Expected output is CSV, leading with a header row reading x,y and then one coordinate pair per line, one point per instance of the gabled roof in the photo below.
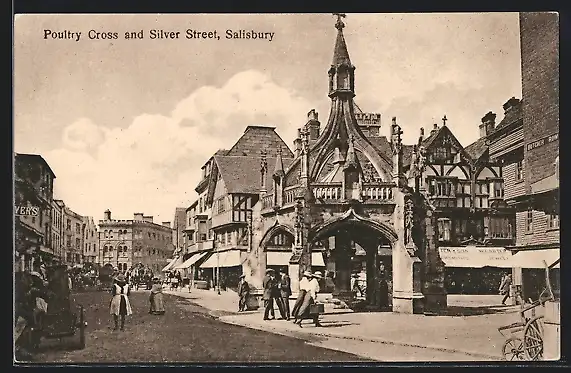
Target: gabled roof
x,y
383,146
241,174
477,149
256,138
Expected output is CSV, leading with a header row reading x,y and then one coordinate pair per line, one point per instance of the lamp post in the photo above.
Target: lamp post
x,y
218,270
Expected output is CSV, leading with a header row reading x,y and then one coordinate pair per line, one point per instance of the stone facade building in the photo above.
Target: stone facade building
x,y
124,243
72,233
90,240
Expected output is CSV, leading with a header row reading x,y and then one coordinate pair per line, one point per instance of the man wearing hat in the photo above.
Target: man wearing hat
x,y
303,287
243,293
285,292
309,299
269,284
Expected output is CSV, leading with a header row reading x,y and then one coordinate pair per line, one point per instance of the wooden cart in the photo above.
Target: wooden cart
x,y
524,339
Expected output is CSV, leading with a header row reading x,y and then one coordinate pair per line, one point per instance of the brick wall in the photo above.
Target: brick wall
x,y
540,88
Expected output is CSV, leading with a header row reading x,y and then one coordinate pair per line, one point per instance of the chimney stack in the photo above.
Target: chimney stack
x,y
512,102
148,219
138,216
313,125
421,137
488,124
167,224
107,215
434,129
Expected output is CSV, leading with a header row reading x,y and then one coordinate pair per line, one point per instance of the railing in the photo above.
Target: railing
x,y
378,192
327,191
289,194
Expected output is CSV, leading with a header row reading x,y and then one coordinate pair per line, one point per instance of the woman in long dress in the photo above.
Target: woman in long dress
x,y
157,305
120,305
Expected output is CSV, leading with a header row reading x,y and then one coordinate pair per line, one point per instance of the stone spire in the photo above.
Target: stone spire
x,y
342,72
279,168
340,53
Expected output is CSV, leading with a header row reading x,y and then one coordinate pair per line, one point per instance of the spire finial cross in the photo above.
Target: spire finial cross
x,y
444,119
339,24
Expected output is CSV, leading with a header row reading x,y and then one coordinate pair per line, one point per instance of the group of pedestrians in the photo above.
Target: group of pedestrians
x,y
278,290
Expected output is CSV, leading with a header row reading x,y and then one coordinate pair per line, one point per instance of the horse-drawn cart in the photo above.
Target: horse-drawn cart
x,y
524,339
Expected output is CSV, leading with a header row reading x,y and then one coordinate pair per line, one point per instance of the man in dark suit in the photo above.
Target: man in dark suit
x,y
285,292
243,293
269,284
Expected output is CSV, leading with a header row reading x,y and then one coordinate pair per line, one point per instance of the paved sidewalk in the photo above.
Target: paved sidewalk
x,y
476,336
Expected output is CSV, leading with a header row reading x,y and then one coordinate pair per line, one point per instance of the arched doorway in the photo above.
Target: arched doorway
x,y
359,258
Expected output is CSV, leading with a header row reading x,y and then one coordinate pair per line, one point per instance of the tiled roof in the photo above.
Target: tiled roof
x,y
256,138
241,174
383,146
476,149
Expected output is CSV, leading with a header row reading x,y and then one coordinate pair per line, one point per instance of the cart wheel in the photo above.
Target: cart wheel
x,y
533,339
82,325
513,349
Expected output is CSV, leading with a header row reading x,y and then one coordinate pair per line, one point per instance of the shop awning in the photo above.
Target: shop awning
x,y
190,261
171,264
223,259
281,258
475,257
535,258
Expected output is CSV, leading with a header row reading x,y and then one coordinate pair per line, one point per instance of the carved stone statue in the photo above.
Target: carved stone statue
x,y
408,221
396,139
418,161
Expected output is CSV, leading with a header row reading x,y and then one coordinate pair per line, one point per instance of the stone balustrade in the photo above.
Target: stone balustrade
x,y
327,191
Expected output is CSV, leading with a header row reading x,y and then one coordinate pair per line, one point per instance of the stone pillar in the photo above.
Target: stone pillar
x,y
293,272
552,331
342,255
407,269
436,299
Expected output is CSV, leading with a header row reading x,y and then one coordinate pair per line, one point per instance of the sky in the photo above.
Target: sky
x,y
126,124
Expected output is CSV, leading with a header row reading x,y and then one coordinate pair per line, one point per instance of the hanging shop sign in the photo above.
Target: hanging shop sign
x,y
26,210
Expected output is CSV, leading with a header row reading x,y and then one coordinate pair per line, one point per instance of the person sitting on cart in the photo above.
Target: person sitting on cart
x,y
156,299
120,305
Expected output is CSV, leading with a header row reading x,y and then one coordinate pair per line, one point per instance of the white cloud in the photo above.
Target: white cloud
x,y
153,165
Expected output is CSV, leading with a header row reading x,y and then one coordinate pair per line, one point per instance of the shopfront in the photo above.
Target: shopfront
x,y
226,266
475,270
529,271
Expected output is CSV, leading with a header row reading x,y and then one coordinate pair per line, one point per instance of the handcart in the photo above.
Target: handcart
x,y
524,339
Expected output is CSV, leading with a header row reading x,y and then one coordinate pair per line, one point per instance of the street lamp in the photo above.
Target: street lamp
x,y
218,270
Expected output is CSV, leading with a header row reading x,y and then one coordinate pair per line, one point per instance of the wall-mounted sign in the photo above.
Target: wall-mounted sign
x,y
26,210
543,141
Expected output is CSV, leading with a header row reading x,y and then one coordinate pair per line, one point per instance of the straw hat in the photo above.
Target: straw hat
x,y
269,270
307,273
317,275
120,278
242,276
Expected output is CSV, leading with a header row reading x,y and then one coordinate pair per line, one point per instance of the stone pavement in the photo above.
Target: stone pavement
x,y
475,336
